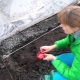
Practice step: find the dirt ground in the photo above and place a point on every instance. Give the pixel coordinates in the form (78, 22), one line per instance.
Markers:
(23, 64)
(11, 44)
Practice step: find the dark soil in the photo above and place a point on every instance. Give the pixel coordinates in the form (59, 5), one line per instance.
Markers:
(11, 44)
(23, 64)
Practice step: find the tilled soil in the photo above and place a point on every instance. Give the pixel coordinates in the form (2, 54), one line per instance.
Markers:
(23, 64)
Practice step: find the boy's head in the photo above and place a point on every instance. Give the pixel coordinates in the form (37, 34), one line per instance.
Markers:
(70, 16)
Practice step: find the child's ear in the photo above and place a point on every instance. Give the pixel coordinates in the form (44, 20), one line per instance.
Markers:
(76, 28)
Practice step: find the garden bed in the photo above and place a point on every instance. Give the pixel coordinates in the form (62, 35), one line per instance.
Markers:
(23, 64)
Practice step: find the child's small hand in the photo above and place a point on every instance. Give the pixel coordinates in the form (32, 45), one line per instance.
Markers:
(47, 48)
(49, 57)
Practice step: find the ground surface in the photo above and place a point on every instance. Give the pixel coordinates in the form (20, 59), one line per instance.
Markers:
(23, 64)
(9, 45)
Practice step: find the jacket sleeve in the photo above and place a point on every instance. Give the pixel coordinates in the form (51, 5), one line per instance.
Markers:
(63, 43)
(71, 73)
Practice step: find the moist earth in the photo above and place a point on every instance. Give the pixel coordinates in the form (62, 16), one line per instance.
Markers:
(23, 64)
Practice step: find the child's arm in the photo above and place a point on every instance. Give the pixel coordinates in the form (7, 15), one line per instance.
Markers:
(47, 48)
(72, 73)
(63, 43)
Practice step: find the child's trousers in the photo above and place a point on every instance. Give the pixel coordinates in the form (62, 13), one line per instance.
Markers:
(66, 58)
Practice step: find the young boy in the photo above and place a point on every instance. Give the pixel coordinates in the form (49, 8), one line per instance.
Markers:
(68, 64)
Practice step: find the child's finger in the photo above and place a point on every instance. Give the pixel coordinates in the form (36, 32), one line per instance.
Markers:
(45, 54)
(44, 58)
(41, 48)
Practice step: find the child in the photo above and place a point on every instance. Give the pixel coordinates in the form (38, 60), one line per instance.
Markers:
(68, 64)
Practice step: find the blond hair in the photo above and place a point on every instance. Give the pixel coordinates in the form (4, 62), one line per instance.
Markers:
(70, 16)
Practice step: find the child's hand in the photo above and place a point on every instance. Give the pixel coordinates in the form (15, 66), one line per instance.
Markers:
(49, 57)
(47, 48)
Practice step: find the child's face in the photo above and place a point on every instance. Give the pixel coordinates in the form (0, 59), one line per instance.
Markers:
(67, 29)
